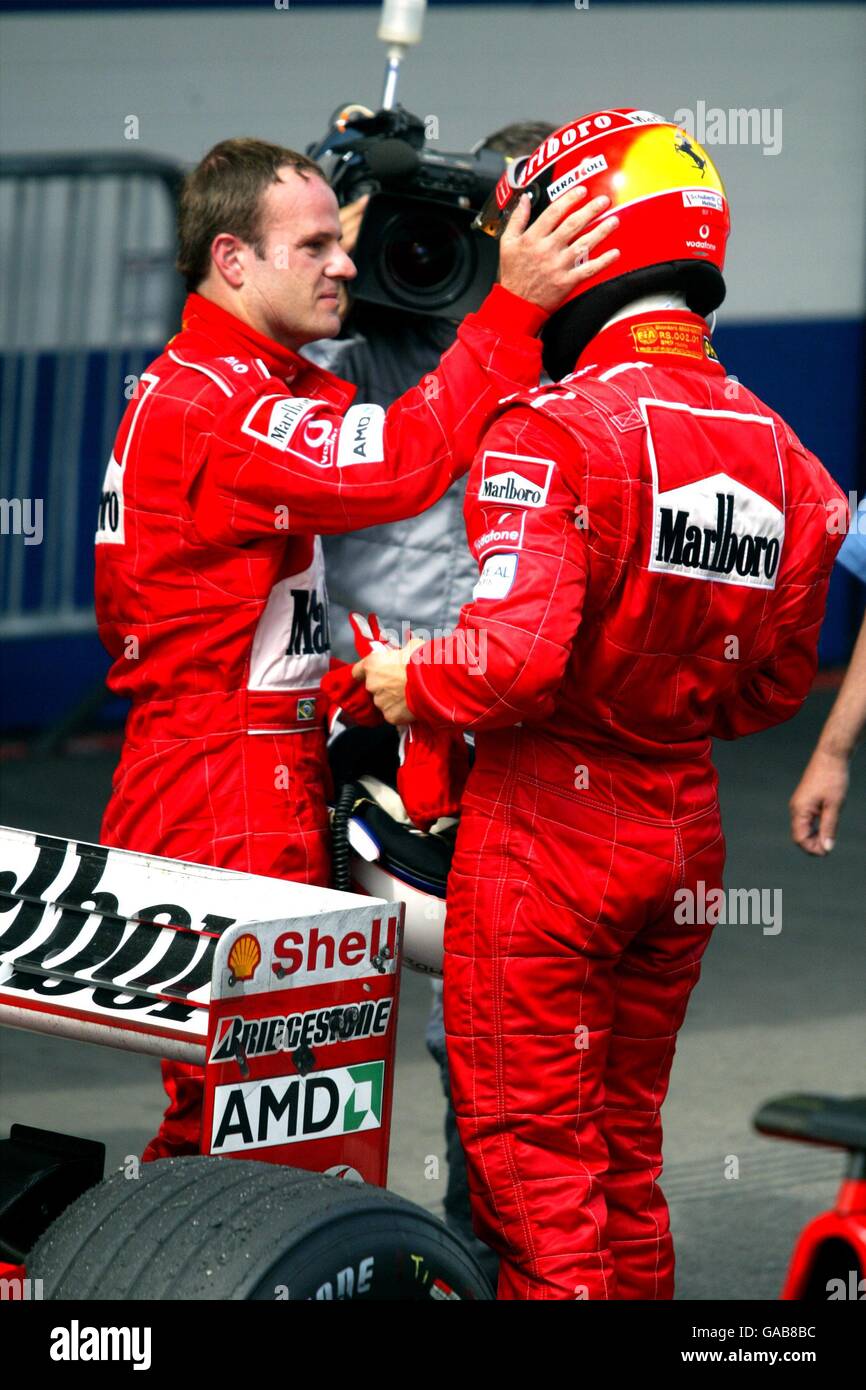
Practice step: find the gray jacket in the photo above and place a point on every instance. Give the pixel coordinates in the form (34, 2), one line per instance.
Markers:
(418, 572)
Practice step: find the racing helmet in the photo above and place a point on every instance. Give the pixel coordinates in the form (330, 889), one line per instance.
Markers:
(670, 201)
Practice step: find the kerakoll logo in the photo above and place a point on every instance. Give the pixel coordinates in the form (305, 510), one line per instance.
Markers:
(583, 171)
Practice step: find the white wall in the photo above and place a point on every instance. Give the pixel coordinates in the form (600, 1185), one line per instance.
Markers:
(194, 77)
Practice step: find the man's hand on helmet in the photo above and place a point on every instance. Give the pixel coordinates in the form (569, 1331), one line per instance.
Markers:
(546, 262)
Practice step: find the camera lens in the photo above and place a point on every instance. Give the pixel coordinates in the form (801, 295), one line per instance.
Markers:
(425, 260)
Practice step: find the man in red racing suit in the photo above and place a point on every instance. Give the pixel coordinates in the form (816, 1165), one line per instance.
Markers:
(210, 591)
(654, 564)
(654, 554)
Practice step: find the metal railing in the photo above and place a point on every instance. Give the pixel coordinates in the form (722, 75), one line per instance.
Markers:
(88, 295)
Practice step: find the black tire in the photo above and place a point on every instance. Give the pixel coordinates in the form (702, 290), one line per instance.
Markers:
(217, 1228)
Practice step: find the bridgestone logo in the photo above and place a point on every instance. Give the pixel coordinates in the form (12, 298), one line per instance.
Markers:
(715, 551)
(262, 1037)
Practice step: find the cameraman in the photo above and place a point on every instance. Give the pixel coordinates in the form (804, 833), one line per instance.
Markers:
(419, 571)
(416, 573)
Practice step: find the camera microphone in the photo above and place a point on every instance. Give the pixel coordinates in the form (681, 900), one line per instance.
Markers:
(390, 161)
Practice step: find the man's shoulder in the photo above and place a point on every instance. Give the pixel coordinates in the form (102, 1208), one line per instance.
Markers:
(217, 378)
(806, 473)
(192, 371)
(548, 417)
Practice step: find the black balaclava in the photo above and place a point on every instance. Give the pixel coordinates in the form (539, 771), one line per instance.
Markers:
(571, 328)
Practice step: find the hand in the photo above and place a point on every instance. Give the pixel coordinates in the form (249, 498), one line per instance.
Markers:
(546, 262)
(384, 673)
(817, 802)
(351, 217)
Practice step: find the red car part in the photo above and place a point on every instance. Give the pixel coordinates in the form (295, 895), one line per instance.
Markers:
(829, 1259)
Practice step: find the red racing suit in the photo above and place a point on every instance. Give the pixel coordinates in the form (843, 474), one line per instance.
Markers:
(210, 590)
(654, 559)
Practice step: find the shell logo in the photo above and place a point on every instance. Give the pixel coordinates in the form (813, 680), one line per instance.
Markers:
(244, 958)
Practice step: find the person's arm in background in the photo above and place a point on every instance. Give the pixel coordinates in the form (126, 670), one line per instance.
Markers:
(820, 794)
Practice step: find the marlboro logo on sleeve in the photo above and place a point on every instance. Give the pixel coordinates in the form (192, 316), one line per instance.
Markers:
(513, 480)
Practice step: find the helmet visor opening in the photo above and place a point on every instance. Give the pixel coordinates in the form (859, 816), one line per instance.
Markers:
(502, 202)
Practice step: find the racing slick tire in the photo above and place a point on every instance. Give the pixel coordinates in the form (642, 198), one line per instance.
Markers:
(218, 1228)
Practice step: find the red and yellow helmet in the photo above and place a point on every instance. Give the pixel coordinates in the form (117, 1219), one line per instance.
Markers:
(662, 185)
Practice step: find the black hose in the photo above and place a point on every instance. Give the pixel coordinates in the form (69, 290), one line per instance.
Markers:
(348, 795)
